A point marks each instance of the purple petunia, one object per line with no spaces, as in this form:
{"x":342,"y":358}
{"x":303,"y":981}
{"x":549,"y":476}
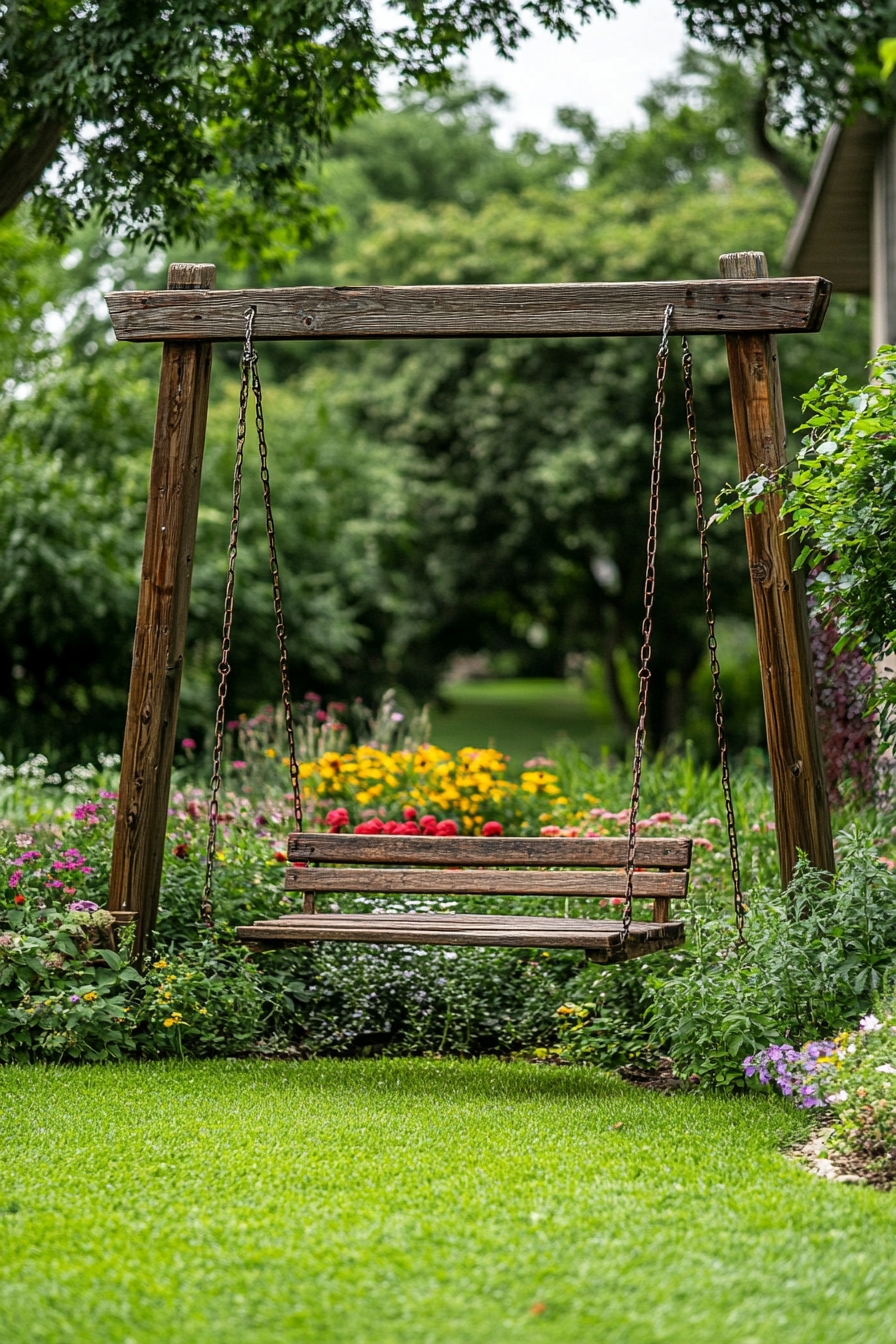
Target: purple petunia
{"x":83,"y":905}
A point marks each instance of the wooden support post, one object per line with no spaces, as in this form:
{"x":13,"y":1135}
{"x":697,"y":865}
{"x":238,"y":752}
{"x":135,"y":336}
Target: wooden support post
{"x":802,"y":815}
{"x":164,"y":599}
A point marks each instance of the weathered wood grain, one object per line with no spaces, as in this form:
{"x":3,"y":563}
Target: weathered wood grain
{"x":166,"y":575}
{"x":464,"y":930}
{"x":484,"y":882}
{"x":316,"y":313}
{"x":802,"y":815}
{"x":485,"y":852}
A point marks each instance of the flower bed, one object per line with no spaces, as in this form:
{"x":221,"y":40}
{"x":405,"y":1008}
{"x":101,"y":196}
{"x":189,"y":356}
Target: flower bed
{"x":855,"y":1075}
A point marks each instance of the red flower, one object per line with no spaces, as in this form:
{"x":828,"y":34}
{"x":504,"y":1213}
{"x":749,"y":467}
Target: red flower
{"x":19,"y":900}
{"x":409,"y":813}
{"x":447,"y":827}
{"x":336,"y":820}
{"x":280,"y":855}
{"x":372,"y":827}
{"x":182,"y":850}
{"x":407,"y":828}
{"x":493,"y":828}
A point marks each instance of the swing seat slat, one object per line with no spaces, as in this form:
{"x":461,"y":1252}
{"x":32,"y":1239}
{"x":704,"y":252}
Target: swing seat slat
{"x":601,"y":940}
{"x":478,"y":866}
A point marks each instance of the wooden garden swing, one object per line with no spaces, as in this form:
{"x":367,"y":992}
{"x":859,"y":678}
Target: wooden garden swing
{"x":189,"y":316}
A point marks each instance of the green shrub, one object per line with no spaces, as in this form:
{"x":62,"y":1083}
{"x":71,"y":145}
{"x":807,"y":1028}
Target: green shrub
{"x":815,"y":959}
{"x":202,"y":999}
{"x":64,"y":991}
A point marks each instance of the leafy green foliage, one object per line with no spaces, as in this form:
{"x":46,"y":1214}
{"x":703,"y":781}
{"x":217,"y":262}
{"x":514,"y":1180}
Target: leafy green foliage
{"x":820,"y":57}
{"x":158,"y":116}
{"x":202,"y":999}
{"x":816,"y":958}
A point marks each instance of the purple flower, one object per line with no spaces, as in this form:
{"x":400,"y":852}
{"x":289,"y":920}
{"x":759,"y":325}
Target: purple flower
{"x":73,"y":998}
{"x":29,"y":855}
{"x":15,"y":877}
{"x":83,"y":905}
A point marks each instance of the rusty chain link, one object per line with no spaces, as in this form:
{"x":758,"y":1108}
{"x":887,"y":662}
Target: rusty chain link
{"x":662,"y":360}
{"x":740,"y":908}
{"x":249,"y":378}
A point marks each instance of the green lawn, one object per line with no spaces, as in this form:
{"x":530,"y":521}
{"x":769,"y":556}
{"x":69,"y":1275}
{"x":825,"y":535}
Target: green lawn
{"x":521,"y":716}
{"x":235,"y":1202}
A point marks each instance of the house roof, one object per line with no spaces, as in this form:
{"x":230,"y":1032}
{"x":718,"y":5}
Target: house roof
{"x":831,"y":235}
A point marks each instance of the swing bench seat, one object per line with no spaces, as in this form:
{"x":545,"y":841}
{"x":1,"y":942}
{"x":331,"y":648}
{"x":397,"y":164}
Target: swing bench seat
{"x":450,"y":866}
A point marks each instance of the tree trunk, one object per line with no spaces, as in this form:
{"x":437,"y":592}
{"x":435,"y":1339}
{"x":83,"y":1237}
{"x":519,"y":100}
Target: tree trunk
{"x":22,"y":163}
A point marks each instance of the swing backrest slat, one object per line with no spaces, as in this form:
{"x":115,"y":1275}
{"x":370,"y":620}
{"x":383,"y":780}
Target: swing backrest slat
{"x":458,"y":851}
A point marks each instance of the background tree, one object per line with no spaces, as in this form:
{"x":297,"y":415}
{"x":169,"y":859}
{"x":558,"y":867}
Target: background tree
{"x":433,"y":498}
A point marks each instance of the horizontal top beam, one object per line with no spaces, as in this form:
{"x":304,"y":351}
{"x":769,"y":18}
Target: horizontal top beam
{"x":316,"y":313}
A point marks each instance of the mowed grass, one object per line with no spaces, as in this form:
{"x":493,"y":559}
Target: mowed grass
{"x":413,"y":1200}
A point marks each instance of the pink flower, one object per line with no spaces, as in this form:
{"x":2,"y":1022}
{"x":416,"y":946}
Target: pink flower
{"x":493,"y":828}
{"x":336,"y":819}
{"x":704,"y":844}
{"x":188,"y":744}
{"x":15,"y":878}
{"x":446,"y":827}
{"x":713,"y":821}
{"x":321,"y":716}
{"x":313,"y":697}
{"x":550,"y":830}
{"x":29,"y":855}
{"x":239,"y":765}
{"x":428,"y":824}
{"x":407,"y":828}
{"x":372,"y":827}
{"x":231,"y":724}
{"x":661,"y":816}
{"x":390,"y":827}
{"x":194,"y":809}
{"x":409,"y":813}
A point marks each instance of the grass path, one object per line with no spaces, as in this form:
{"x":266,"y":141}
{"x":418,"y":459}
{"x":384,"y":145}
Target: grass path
{"x":234,"y":1202}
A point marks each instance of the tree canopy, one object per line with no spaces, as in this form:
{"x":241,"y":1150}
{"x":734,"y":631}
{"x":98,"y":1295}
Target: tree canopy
{"x":166,"y":115}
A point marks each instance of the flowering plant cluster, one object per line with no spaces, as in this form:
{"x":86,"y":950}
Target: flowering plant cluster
{"x":203,"y":999}
{"x":855,"y":1074}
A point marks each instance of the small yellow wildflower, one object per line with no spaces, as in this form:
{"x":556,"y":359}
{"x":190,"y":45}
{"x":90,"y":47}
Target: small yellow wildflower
{"x":160,"y":965}
{"x":89,"y":998}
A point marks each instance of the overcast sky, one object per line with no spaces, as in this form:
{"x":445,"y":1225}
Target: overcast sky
{"x":604,"y":71}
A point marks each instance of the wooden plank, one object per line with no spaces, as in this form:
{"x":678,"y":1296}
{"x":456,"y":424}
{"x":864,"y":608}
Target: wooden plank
{"x":317,"y":313}
{"x":802,"y":814}
{"x":482,"y":882}
{"x":462,"y":930}
{"x":484,"y":852}
{"x":142,"y":811}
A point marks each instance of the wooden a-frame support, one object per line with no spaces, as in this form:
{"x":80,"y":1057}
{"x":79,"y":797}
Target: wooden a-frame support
{"x":189,"y":316}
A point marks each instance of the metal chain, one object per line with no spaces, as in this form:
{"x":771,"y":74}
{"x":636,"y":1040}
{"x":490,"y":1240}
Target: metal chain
{"x":249,"y":375}
{"x":275,"y":581}
{"x":662,"y":360}
{"x":740,"y":908}
{"x":206,"y":908}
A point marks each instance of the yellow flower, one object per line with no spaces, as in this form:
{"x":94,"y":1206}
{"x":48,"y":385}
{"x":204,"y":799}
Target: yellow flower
{"x":160,"y":965}
{"x":270,"y":753}
{"x":174,"y":1020}
{"x":89,"y":998}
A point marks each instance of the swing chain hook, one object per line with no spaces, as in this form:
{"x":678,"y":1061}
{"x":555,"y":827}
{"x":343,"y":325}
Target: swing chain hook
{"x":740,"y":909}
{"x":248,"y":378}
{"x":662,"y":360}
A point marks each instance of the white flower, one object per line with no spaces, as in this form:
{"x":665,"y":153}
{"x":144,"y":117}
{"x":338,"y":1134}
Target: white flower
{"x":842,"y":1095}
{"x":870,"y":1023}
{"x":851,"y":1049}
{"x":885,"y":1068}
